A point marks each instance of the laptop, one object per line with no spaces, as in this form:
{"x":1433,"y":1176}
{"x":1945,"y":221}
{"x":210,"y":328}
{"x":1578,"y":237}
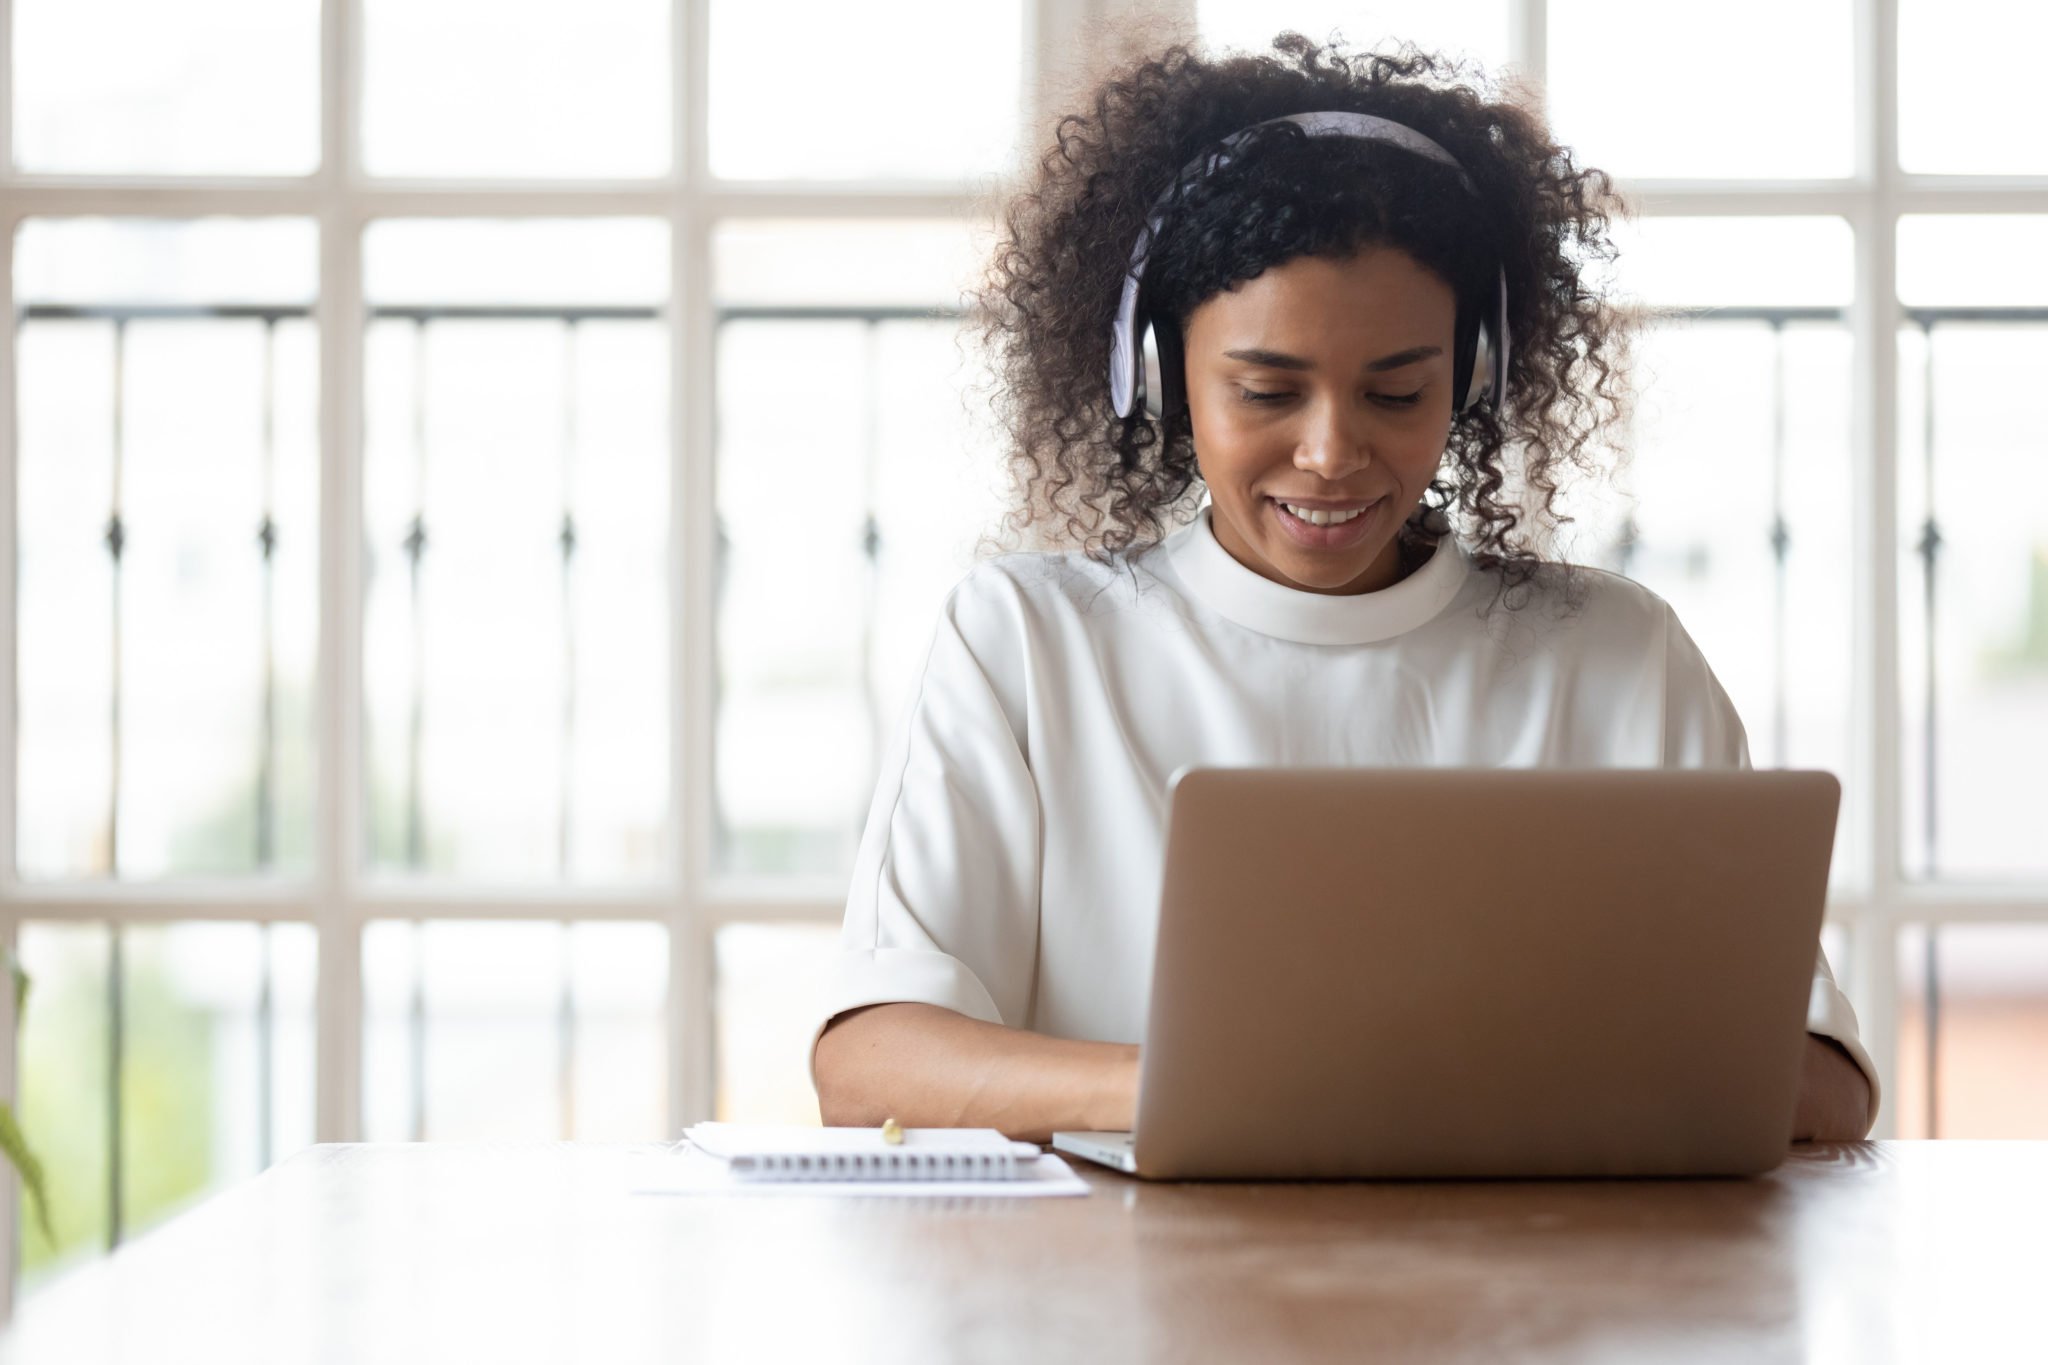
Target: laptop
{"x":1452,"y":973}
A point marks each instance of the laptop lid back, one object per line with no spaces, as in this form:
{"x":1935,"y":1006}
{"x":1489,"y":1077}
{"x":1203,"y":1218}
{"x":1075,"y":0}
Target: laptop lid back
{"x":1482,"y":973}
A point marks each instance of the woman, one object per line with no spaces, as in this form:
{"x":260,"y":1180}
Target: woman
{"x":1370,"y":332}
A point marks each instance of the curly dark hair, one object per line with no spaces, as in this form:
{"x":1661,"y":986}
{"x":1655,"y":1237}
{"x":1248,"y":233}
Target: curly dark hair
{"x":1089,"y":479}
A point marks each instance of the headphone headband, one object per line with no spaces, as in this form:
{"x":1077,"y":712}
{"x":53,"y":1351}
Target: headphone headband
{"x":1125,"y":357}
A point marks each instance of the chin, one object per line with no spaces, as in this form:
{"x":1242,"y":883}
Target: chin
{"x":1322,"y":575}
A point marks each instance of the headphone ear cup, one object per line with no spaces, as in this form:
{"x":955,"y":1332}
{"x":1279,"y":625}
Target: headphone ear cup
{"x":1479,"y":386}
{"x":1151,"y":382}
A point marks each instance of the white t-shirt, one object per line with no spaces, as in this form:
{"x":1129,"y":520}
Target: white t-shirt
{"x":1011,"y":865}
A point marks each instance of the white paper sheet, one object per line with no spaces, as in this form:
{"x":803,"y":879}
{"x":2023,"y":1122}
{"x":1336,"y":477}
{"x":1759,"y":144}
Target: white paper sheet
{"x":688,"y":1170}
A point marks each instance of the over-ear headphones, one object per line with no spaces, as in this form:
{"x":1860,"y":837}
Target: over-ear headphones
{"x":1145,"y":361}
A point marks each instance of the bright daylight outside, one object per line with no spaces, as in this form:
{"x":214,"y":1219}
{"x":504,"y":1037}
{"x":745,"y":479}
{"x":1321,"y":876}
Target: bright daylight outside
{"x":462,"y":596}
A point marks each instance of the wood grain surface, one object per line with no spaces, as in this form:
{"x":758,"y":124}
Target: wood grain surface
{"x":1866,"y":1252}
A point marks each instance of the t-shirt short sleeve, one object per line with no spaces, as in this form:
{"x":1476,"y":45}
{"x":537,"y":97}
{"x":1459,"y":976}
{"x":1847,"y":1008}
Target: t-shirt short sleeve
{"x":1702,"y":728}
{"x":943,"y":903}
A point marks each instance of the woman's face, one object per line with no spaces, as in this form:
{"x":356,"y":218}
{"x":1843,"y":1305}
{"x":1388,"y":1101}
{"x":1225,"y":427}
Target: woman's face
{"x":1321,"y":399}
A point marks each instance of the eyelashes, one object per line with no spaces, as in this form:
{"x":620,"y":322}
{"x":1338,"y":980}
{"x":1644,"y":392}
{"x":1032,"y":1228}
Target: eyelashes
{"x":1269,"y":398}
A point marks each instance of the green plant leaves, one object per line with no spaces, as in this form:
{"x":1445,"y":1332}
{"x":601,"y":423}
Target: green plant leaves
{"x":30,"y":1167}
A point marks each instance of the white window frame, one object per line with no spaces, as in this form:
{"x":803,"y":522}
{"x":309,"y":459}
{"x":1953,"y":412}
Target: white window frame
{"x":340,"y":896}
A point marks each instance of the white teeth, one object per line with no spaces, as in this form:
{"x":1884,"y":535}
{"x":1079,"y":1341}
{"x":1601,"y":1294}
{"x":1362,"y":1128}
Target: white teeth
{"x":1319,"y":517}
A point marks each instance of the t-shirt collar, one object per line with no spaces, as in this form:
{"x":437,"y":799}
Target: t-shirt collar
{"x":1311,"y":618}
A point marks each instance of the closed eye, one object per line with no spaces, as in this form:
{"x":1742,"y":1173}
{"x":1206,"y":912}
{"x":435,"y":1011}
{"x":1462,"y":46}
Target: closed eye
{"x":1263,"y":395}
{"x":1404,"y":400}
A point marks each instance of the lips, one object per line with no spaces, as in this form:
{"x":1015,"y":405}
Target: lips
{"x":1335,"y":536}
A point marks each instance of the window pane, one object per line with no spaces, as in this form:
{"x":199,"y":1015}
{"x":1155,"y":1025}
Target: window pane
{"x":1733,"y":505}
{"x":1968,"y":71}
{"x":223,"y":87}
{"x":1993,"y":260}
{"x":1990,"y":1032}
{"x":818,"y":649}
{"x":874,"y":262}
{"x":515,"y":650}
{"x":1736,"y":262}
{"x":1973,"y":578}
{"x":900,"y":89}
{"x":1973,"y":589}
{"x":217,"y":1068}
{"x":504,"y":1031}
{"x":770,"y":980}
{"x":516,"y":88}
{"x":1643,"y":90}
{"x":168,"y":528}
{"x":1477,"y":29}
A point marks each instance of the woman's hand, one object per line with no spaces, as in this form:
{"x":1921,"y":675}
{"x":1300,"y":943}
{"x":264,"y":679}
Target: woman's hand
{"x":1834,"y":1095}
{"x":928,"y":1067}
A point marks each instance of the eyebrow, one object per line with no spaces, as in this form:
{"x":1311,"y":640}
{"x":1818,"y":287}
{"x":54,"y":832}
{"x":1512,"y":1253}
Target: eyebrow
{"x":1280,"y":360}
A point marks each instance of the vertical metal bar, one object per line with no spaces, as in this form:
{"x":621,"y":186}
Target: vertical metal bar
{"x":1930,"y":552}
{"x":1929,"y":548}
{"x":266,"y":1051}
{"x":566,"y":542}
{"x":1930,"y":986}
{"x":116,"y":540}
{"x":1781,"y":545}
{"x":415,"y":830}
{"x":565,"y":1014}
{"x":871,"y":557}
{"x":416,"y":1034}
{"x":415,"y":545}
{"x":266,"y":540}
{"x":117,"y":1027}
{"x":565,"y":1035}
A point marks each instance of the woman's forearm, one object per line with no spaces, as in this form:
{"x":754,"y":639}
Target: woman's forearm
{"x":929,"y":1067}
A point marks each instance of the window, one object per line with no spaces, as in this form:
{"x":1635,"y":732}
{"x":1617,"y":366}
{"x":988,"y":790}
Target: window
{"x":407,"y":678}
{"x":420,"y":730}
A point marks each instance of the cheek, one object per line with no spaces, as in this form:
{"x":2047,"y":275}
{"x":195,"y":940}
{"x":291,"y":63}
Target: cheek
{"x":1417,"y":451}
{"x":1232,"y":450}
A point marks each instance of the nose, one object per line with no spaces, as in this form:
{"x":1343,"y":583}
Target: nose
{"x":1336,"y":441}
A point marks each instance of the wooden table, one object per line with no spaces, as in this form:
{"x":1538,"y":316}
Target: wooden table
{"x":1868,"y":1252}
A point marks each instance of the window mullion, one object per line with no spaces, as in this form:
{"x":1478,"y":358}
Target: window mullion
{"x":693,"y":533}
{"x":10,"y":768}
{"x":1875,"y":790}
{"x":1529,"y":42}
{"x":338,"y":791}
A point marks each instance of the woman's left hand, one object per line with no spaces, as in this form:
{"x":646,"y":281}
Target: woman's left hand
{"x":1834,"y":1096}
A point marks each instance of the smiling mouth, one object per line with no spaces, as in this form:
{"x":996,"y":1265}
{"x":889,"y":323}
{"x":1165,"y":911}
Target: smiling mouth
{"x":1324,"y":516}
{"x":1333,"y":527}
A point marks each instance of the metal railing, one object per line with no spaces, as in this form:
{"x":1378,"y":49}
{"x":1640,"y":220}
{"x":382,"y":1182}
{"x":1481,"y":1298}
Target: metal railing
{"x":116,"y":537}
{"x":871,"y":319}
{"x":415,"y":545}
{"x":1927,"y":548}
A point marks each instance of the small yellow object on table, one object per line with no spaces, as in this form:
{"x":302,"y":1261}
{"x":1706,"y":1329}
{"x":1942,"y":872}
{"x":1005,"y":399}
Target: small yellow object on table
{"x":892,"y":1132}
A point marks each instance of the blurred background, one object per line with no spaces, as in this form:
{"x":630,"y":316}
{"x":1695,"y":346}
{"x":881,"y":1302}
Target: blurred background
{"x":482,"y":473}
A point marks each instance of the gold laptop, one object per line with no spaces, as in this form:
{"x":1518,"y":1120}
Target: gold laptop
{"x":1368,"y":973}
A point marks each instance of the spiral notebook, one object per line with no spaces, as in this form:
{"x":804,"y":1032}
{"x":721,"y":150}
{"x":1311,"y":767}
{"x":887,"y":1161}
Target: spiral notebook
{"x":781,"y":1152}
